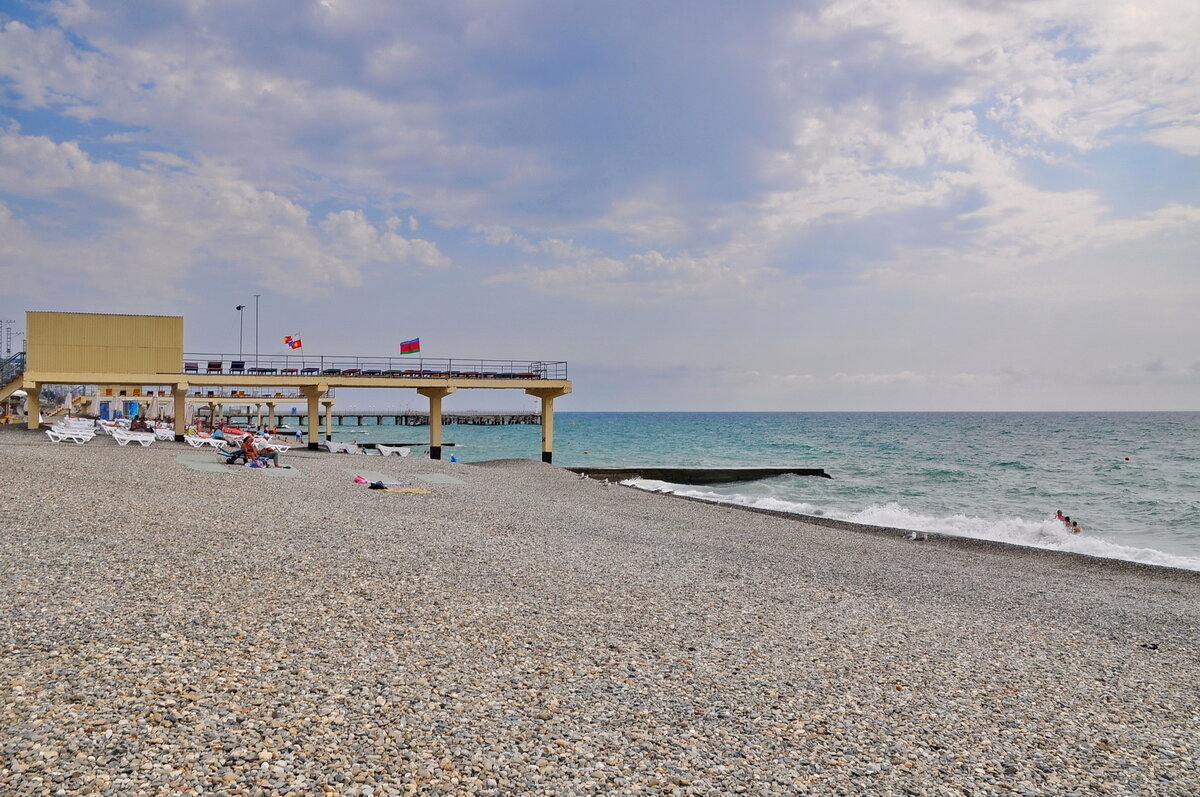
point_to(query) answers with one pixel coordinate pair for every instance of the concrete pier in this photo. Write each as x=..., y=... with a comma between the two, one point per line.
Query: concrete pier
x=696, y=475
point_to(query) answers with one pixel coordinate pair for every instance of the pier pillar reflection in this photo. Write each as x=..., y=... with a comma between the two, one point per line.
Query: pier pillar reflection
x=435, y=396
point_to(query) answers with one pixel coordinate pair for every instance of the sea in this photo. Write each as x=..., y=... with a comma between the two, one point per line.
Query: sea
x=1130, y=479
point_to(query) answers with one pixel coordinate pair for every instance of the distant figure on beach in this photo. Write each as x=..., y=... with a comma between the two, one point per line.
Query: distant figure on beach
x=138, y=425
x=217, y=434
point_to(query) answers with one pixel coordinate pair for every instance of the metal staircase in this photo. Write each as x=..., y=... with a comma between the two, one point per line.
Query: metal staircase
x=12, y=372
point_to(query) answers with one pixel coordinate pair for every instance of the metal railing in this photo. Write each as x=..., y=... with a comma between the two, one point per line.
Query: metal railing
x=12, y=367
x=302, y=365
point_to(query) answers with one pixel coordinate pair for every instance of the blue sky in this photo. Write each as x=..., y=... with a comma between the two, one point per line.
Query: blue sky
x=703, y=206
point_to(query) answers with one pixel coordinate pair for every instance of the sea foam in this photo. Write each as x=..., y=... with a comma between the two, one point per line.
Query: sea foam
x=1045, y=533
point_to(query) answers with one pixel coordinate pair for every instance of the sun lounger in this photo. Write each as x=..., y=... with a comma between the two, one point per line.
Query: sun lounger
x=196, y=441
x=342, y=448
x=267, y=443
x=393, y=451
x=79, y=436
x=164, y=434
x=124, y=437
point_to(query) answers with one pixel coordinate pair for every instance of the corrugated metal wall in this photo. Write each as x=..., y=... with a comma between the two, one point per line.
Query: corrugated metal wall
x=104, y=344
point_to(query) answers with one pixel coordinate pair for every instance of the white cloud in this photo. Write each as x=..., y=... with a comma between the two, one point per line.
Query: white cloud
x=169, y=219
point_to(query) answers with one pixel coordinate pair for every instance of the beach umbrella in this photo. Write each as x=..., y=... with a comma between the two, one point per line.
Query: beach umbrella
x=153, y=411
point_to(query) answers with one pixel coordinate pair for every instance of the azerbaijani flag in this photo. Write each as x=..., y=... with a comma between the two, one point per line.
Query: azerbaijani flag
x=410, y=346
x=291, y=342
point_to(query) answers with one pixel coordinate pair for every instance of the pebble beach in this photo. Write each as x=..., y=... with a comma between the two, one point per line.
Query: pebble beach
x=172, y=626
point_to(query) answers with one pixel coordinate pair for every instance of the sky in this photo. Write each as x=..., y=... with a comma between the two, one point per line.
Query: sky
x=853, y=205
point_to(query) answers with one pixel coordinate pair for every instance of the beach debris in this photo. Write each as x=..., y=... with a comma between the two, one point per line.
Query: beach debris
x=918, y=537
x=1149, y=645
x=381, y=485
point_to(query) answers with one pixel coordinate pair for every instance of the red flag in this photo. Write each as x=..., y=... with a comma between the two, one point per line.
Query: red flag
x=410, y=346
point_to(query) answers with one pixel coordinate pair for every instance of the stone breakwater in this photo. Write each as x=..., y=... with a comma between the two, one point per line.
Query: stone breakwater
x=518, y=630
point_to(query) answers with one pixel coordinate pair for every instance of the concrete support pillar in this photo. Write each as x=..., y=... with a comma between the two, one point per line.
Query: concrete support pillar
x=271, y=414
x=212, y=415
x=547, y=395
x=328, y=420
x=33, y=404
x=180, y=391
x=313, y=395
x=258, y=423
x=435, y=396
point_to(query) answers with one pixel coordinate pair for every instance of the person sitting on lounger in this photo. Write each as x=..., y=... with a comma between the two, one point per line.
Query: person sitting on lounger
x=253, y=452
x=139, y=425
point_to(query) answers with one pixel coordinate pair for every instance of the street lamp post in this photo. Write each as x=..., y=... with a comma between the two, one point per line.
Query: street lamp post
x=240, y=308
x=256, y=329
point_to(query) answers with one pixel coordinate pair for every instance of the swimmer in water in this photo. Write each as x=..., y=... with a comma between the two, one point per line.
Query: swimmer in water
x=1060, y=517
x=1074, y=527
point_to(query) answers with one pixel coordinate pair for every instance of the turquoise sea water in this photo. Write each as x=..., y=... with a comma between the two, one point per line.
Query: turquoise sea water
x=997, y=476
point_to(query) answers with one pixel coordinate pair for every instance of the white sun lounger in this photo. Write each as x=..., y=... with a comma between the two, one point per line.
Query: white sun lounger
x=163, y=434
x=342, y=448
x=125, y=437
x=196, y=441
x=80, y=436
x=394, y=451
